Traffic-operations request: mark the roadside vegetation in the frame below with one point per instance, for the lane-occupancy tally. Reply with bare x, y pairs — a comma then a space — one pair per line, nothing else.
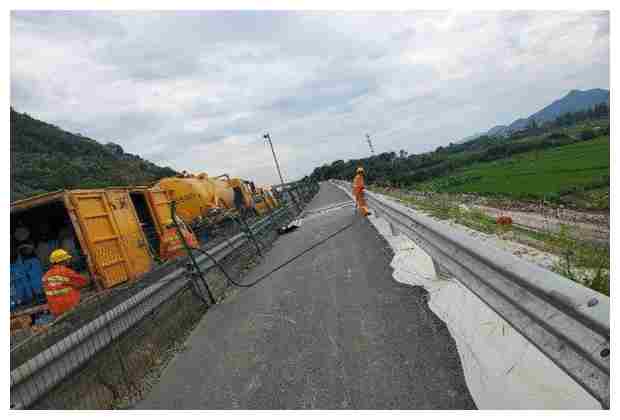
576, 174
581, 261
564, 161
46, 158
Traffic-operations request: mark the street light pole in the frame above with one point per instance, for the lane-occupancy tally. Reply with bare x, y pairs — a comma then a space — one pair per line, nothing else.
268, 138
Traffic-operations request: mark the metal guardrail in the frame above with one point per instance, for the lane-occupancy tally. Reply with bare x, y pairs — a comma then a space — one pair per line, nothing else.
566, 321
37, 376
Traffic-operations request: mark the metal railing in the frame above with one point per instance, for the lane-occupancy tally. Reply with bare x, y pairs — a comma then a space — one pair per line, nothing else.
41, 368
566, 321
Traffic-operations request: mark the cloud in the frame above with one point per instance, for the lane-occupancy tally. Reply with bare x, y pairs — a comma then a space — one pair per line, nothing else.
197, 90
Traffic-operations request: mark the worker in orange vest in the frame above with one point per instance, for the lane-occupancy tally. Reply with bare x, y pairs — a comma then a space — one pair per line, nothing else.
358, 192
62, 284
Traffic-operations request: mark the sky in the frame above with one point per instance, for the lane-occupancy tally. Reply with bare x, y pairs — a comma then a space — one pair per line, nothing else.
197, 90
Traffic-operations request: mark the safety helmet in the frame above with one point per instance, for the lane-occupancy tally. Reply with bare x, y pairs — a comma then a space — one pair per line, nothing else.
360, 170
59, 255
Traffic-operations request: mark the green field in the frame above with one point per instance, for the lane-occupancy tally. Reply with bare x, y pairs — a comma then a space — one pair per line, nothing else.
566, 171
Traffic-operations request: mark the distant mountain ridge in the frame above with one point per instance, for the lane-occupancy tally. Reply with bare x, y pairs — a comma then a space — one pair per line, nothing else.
573, 101
46, 158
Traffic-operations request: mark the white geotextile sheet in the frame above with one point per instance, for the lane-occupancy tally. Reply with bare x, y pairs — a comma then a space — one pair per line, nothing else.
502, 369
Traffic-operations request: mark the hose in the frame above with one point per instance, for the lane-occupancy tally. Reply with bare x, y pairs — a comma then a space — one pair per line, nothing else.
285, 263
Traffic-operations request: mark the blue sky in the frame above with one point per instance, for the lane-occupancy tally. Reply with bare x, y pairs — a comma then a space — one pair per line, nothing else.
196, 90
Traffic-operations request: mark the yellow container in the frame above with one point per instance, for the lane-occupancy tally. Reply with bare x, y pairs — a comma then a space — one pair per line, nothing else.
153, 208
105, 226
261, 206
247, 195
271, 200
194, 197
224, 192
228, 187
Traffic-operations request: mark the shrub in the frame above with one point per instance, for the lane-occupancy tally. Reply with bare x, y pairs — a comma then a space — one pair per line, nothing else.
587, 134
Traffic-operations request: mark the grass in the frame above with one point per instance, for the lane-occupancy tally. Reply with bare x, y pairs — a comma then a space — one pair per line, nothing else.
568, 171
580, 261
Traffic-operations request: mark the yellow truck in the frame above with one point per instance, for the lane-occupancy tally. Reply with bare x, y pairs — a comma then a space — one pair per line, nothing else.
242, 196
270, 198
195, 198
99, 226
153, 209
225, 196
265, 201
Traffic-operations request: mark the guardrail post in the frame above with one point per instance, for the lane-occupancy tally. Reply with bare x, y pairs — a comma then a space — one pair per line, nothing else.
189, 251
440, 271
290, 192
248, 231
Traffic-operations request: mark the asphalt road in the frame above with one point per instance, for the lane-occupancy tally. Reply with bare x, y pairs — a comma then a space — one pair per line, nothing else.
332, 330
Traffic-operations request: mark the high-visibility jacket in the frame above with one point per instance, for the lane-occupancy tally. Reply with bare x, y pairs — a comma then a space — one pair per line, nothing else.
358, 184
358, 193
171, 245
61, 286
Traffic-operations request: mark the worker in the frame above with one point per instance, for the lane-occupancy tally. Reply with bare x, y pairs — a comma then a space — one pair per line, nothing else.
358, 192
34, 272
20, 288
62, 284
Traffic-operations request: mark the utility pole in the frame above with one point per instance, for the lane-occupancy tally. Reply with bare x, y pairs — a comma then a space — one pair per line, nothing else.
267, 137
372, 151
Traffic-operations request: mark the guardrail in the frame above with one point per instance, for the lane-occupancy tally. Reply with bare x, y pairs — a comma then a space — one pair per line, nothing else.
34, 378
566, 321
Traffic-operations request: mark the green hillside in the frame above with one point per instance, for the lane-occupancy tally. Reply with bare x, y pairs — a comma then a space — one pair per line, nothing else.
573, 170
565, 160
45, 158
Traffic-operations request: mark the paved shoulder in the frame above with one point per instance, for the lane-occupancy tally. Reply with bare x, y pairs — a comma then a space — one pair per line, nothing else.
331, 330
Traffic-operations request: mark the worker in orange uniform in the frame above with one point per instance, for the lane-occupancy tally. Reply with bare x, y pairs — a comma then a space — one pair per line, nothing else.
358, 192
62, 284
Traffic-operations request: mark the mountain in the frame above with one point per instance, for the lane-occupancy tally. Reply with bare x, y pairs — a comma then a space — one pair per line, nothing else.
46, 158
575, 100
498, 130
468, 138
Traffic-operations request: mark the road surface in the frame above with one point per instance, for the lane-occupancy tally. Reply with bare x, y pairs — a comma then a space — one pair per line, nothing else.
332, 330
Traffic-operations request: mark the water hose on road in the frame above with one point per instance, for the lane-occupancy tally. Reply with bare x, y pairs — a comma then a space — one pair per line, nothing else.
194, 269
285, 263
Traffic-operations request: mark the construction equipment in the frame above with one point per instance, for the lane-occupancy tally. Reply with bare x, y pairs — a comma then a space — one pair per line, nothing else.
243, 197
106, 235
223, 191
153, 209
195, 198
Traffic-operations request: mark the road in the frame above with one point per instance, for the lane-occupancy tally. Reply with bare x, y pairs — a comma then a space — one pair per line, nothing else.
331, 330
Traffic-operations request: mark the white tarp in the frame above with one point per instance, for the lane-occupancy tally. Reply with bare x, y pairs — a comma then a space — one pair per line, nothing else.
502, 369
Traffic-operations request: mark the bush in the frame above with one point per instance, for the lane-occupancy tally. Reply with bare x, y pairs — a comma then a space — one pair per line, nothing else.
587, 134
